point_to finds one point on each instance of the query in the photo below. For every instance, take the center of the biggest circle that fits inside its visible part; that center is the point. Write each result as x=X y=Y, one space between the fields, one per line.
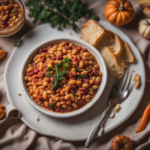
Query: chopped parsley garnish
x=52 y=105
x=65 y=63
x=16 y=42
x=49 y=69
x=81 y=76
x=48 y=75
x=88 y=70
x=75 y=66
x=77 y=70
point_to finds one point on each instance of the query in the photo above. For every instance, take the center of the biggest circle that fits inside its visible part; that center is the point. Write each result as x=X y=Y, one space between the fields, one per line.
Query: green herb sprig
x=60 y=74
x=60 y=13
x=52 y=105
x=16 y=42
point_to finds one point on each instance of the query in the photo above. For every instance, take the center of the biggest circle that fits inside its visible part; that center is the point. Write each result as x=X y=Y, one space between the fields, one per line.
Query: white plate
x=77 y=128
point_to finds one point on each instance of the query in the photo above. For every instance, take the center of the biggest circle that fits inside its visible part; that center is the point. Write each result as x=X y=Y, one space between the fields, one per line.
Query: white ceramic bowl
x=92 y=50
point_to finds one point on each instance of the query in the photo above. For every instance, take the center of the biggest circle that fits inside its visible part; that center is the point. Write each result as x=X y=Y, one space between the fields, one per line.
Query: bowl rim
x=72 y=113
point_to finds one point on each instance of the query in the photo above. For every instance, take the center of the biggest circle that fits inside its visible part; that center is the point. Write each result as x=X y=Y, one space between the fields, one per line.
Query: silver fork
x=119 y=91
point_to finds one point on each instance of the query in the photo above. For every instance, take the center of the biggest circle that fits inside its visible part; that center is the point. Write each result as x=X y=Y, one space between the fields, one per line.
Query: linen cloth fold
x=14 y=134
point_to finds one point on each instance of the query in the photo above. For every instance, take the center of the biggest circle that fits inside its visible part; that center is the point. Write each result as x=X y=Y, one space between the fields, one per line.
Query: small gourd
x=121 y=142
x=2 y=112
x=144 y=28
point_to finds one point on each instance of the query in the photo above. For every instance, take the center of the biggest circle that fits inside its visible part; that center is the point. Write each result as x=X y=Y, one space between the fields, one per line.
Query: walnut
x=137 y=80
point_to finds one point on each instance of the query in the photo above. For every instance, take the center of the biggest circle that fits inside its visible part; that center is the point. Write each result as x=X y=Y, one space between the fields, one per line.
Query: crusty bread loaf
x=92 y=32
x=112 y=62
x=116 y=53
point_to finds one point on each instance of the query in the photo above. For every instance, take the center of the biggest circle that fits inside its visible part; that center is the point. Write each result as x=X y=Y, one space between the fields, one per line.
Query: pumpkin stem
x=121 y=6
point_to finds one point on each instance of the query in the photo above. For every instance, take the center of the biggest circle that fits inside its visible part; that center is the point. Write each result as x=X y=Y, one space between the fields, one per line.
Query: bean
x=67 y=97
x=16 y=5
x=97 y=80
x=64 y=106
x=86 y=54
x=37 y=91
x=29 y=69
x=46 y=104
x=8 y=7
x=35 y=95
x=45 y=94
x=83 y=97
x=67 y=88
x=72 y=82
x=31 y=91
x=88 y=100
x=95 y=87
x=62 y=44
x=78 y=82
x=69 y=56
x=62 y=92
x=39 y=83
x=26 y=78
x=64 y=80
x=50 y=92
x=30 y=79
x=45 y=83
x=5 y=17
x=50 y=101
x=41 y=87
x=96 y=66
x=58 y=104
x=16 y=20
x=74 y=105
x=90 y=62
x=85 y=85
x=57 y=99
x=74 y=52
x=81 y=64
x=72 y=97
x=87 y=96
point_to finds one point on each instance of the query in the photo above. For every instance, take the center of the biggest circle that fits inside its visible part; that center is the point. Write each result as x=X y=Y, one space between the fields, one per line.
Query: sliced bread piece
x=112 y=62
x=92 y=32
x=118 y=47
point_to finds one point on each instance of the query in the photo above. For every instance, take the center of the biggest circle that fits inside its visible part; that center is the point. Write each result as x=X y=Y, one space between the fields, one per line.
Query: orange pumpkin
x=119 y=12
x=121 y=142
x=2 y=112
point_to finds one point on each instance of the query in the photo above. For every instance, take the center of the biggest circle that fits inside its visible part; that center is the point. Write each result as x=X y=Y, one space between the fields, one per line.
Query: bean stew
x=10 y=13
x=63 y=77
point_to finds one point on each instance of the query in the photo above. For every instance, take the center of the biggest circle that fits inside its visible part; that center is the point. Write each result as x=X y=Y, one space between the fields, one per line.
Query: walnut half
x=137 y=80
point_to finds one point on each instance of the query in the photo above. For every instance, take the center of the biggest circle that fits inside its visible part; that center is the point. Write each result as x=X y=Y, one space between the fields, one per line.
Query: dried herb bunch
x=60 y=13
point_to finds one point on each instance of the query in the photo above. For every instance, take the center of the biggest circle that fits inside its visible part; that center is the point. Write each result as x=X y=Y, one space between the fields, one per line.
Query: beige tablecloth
x=14 y=134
